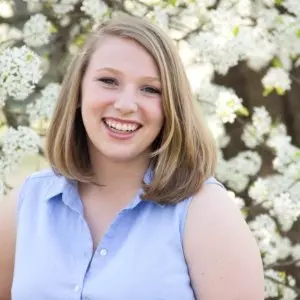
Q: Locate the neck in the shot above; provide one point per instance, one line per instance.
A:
(118, 174)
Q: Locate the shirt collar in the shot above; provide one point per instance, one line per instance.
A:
(62, 186)
(56, 187)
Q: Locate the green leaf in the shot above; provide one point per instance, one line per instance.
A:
(278, 2)
(46, 55)
(280, 91)
(79, 41)
(245, 212)
(276, 63)
(243, 111)
(279, 19)
(282, 275)
(298, 33)
(267, 91)
(235, 30)
(53, 29)
(172, 2)
(28, 57)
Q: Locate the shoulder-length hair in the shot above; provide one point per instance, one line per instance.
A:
(184, 153)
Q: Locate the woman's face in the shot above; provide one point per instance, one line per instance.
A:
(121, 101)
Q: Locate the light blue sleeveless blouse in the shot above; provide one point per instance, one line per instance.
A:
(139, 258)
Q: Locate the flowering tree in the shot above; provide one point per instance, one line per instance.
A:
(214, 37)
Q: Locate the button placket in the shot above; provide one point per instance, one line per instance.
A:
(103, 252)
(103, 249)
(77, 288)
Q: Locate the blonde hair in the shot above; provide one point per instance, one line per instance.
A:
(184, 153)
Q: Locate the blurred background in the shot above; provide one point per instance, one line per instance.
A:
(242, 58)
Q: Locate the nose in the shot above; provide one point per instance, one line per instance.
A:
(125, 102)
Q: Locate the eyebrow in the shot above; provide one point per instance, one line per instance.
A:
(150, 78)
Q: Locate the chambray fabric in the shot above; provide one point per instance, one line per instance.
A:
(139, 258)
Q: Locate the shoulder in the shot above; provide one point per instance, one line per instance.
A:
(44, 182)
(44, 174)
(216, 242)
(8, 207)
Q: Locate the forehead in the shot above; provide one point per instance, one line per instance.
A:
(123, 54)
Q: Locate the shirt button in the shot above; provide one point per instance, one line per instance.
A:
(76, 288)
(103, 252)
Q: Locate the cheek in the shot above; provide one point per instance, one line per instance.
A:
(93, 97)
(156, 113)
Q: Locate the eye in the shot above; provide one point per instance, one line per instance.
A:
(108, 81)
(151, 90)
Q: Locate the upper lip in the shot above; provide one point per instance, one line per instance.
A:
(123, 121)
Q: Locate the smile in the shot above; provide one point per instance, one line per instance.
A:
(121, 126)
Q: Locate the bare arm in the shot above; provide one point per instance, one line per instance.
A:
(7, 243)
(222, 255)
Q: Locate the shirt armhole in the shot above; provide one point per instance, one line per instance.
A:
(210, 180)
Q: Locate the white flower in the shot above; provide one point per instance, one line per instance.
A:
(218, 130)
(269, 3)
(277, 78)
(296, 252)
(238, 182)
(161, 17)
(292, 6)
(261, 120)
(244, 8)
(284, 247)
(236, 171)
(94, 8)
(259, 191)
(288, 293)
(2, 187)
(17, 143)
(237, 200)
(293, 170)
(251, 136)
(64, 6)
(2, 97)
(285, 155)
(217, 49)
(265, 231)
(253, 41)
(20, 70)
(297, 63)
(263, 226)
(37, 31)
(286, 209)
(271, 288)
(247, 162)
(278, 137)
(43, 107)
(206, 3)
(228, 103)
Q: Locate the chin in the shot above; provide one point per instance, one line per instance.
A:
(122, 155)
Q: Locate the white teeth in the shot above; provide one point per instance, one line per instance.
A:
(121, 126)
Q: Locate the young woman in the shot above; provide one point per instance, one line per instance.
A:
(129, 209)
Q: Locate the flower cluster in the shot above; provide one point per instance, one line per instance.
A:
(237, 171)
(278, 79)
(43, 107)
(20, 70)
(227, 104)
(255, 131)
(95, 8)
(37, 31)
(15, 145)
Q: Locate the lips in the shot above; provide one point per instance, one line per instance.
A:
(121, 125)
